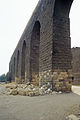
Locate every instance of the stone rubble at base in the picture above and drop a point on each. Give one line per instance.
(73, 117)
(29, 90)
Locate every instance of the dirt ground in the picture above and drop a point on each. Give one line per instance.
(48, 107)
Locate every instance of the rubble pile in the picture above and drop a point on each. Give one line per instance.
(27, 90)
(62, 82)
(73, 117)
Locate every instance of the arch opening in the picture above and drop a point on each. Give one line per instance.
(75, 23)
(75, 40)
(34, 51)
(23, 60)
(62, 8)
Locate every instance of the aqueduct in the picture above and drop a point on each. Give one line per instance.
(45, 45)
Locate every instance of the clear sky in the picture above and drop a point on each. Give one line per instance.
(14, 15)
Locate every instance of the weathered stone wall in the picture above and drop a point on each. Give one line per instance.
(76, 65)
(44, 45)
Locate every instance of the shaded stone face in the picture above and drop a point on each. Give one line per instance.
(45, 45)
(61, 35)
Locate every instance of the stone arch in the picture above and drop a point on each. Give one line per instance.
(34, 51)
(61, 36)
(23, 60)
(17, 66)
(62, 8)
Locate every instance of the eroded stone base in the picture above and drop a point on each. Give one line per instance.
(62, 81)
(45, 78)
(35, 79)
(58, 80)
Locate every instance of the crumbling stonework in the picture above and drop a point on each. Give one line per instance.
(45, 45)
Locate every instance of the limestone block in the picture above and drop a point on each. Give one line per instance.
(28, 83)
(41, 91)
(22, 92)
(29, 89)
(57, 88)
(27, 93)
(22, 86)
(31, 94)
(45, 76)
(64, 89)
(48, 73)
(72, 117)
(49, 91)
(48, 85)
(14, 92)
(36, 93)
(69, 86)
(70, 71)
(17, 80)
(57, 85)
(35, 81)
(32, 86)
(23, 81)
(62, 75)
(55, 75)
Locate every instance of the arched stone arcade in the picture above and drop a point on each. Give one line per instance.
(47, 48)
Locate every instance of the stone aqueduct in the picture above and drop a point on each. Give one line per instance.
(45, 45)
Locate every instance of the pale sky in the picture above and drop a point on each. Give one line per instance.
(14, 15)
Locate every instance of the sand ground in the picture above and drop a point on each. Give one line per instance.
(48, 107)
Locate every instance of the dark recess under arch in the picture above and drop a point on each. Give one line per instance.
(34, 50)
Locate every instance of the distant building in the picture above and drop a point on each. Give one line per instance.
(76, 64)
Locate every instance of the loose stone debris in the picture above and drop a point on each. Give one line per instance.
(27, 89)
(73, 117)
